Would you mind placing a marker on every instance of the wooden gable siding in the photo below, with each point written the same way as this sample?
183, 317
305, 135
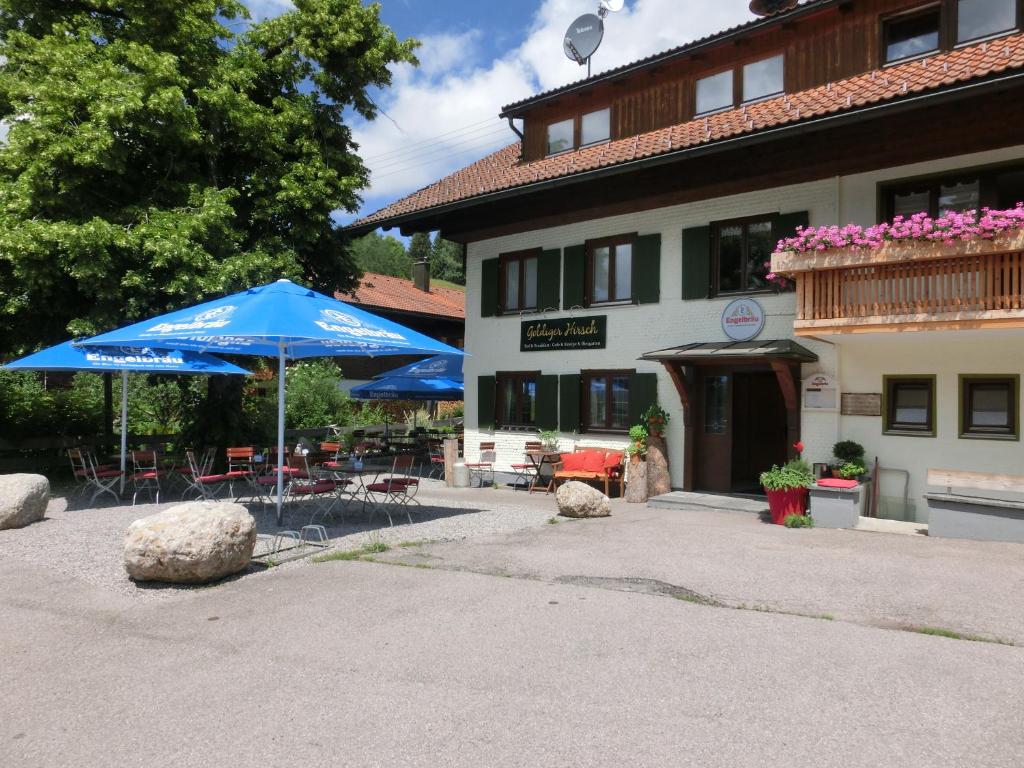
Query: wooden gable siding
839, 42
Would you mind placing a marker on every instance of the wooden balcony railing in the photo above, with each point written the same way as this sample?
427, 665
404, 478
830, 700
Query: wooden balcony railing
920, 287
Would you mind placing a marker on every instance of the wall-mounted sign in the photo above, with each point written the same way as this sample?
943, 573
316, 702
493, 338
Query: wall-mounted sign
820, 393
566, 333
743, 319
862, 404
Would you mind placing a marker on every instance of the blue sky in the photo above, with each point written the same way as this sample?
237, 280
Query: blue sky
479, 55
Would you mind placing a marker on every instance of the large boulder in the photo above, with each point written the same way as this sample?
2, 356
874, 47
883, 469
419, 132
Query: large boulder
576, 499
23, 499
190, 543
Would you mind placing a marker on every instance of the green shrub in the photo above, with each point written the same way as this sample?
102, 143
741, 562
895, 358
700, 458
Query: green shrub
848, 452
794, 474
798, 521
851, 471
313, 398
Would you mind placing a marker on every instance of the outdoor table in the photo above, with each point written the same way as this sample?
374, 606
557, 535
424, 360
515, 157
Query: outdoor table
539, 459
344, 470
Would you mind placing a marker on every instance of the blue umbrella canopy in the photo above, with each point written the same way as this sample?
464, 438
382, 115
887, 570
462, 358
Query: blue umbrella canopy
408, 388
448, 367
68, 357
281, 318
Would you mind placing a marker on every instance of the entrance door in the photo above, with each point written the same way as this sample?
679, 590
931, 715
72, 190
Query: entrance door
741, 429
759, 428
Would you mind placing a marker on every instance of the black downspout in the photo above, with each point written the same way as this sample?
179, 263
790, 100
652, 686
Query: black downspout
517, 132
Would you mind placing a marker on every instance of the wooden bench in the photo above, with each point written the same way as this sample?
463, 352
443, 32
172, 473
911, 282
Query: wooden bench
606, 474
970, 515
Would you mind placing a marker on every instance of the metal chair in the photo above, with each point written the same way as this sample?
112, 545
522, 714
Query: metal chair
316, 490
400, 488
146, 474
436, 452
241, 466
101, 480
526, 472
479, 469
79, 470
202, 482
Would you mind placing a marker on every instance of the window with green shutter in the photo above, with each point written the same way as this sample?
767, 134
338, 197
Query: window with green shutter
547, 402
517, 399
569, 395
490, 285
647, 269
696, 262
643, 393
549, 280
574, 288
485, 390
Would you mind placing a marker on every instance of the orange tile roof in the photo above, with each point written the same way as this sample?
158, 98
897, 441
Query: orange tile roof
503, 170
400, 295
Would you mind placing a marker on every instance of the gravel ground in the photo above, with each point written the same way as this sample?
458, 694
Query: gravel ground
86, 544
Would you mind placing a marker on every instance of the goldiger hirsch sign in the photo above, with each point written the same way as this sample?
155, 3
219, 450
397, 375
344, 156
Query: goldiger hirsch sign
568, 333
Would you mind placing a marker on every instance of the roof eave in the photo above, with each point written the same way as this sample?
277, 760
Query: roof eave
896, 106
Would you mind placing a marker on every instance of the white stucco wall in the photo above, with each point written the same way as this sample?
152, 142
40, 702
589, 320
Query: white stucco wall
493, 343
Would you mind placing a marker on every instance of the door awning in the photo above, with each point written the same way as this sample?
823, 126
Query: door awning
734, 351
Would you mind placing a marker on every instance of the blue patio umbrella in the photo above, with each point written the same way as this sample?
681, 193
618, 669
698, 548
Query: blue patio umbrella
281, 320
69, 357
408, 388
447, 367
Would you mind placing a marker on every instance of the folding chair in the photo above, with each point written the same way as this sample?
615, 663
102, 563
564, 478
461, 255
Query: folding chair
79, 470
479, 469
436, 453
241, 466
526, 471
203, 483
146, 474
316, 490
100, 479
400, 488
333, 450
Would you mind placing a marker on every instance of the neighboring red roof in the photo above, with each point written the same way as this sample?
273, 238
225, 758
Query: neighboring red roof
400, 295
503, 170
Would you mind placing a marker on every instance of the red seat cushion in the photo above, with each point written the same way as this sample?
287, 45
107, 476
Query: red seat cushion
522, 466
385, 487
593, 461
612, 460
836, 482
270, 480
213, 479
403, 480
148, 475
572, 462
108, 472
236, 473
325, 486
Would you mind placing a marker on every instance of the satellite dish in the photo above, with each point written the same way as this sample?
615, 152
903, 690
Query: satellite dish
583, 38
771, 7
610, 6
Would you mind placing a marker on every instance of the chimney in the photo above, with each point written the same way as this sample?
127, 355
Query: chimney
421, 275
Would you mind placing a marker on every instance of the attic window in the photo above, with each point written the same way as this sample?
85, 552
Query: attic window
560, 136
714, 92
976, 19
762, 79
595, 127
908, 36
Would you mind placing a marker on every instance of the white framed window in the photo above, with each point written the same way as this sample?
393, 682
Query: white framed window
976, 19
763, 78
596, 127
560, 136
714, 92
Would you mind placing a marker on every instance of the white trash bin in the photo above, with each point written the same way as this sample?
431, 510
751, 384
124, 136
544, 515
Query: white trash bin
460, 475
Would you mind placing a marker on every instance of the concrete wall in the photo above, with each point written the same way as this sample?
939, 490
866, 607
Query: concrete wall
634, 330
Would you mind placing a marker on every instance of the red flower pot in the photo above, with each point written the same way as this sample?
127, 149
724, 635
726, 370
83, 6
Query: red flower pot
782, 504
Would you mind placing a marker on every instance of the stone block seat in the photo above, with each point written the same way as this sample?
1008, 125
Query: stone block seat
985, 506
600, 465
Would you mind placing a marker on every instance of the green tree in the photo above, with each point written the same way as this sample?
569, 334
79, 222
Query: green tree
384, 255
419, 247
446, 261
155, 158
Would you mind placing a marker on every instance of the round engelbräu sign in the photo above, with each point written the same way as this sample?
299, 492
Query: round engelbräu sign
743, 319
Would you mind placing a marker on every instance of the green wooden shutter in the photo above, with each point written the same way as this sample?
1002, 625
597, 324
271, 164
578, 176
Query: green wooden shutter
489, 288
643, 393
786, 224
569, 392
549, 279
574, 290
647, 269
486, 387
547, 402
696, 262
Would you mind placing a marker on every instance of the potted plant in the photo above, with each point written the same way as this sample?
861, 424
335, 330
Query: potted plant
848, 452
637, 447
851, 471
657, 419
786, 487
549, 439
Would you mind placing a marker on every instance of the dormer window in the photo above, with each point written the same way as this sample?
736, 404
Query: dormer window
762, 79
911, 35
560, 136
977, 19
714, 92
595, 127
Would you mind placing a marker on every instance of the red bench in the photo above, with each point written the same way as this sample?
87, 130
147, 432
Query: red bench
605, 465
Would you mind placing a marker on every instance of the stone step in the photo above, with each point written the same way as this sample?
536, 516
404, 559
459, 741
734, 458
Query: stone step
687, 500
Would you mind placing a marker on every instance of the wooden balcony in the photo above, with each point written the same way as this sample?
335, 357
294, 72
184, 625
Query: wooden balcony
908, 287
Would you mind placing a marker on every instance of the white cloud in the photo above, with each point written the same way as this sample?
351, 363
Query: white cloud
263, 9
445, 114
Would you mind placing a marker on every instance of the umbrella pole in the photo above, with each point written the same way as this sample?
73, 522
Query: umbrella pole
280, 431
124, 424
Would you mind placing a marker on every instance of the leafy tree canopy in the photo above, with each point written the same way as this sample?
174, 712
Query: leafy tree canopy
157, 155
385, 255
446, 261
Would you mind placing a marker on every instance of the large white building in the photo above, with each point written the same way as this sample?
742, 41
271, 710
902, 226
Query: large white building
618, 253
